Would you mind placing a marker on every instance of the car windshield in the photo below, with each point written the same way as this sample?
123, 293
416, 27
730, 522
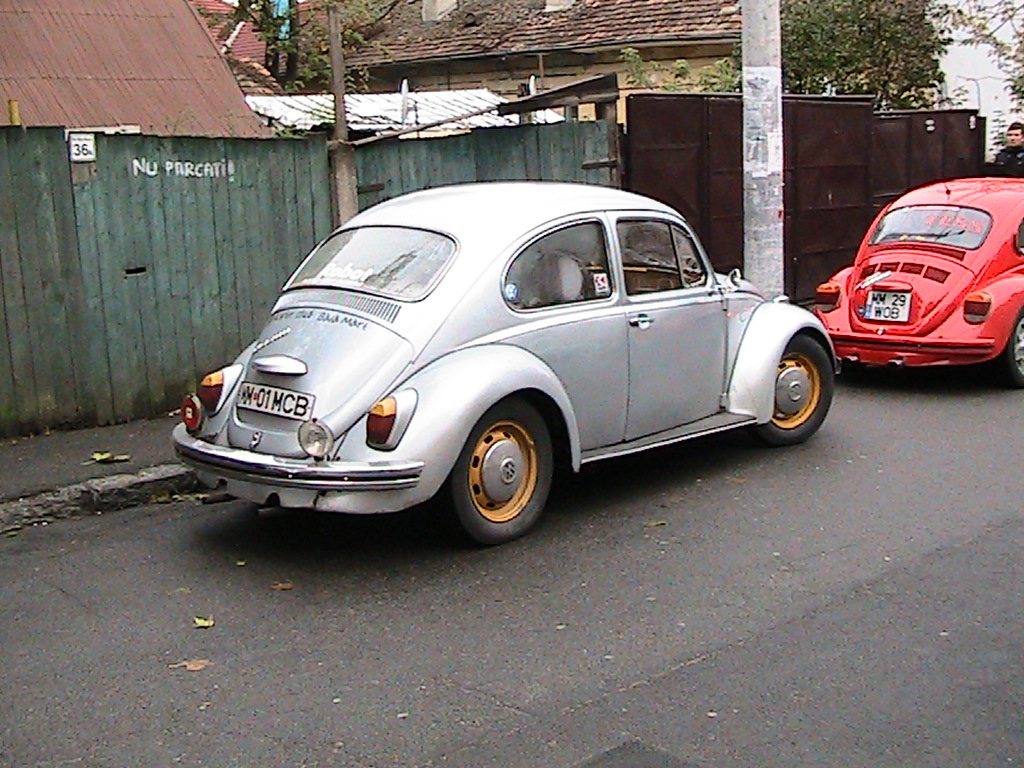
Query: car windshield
947, 224
396, 262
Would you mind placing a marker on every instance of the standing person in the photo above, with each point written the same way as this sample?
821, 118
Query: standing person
1010, 159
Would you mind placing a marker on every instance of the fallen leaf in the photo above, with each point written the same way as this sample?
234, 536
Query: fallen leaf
738, 480
192, 665
181, 591
105, 457
202, 623
283, 586
657, 523
240, 563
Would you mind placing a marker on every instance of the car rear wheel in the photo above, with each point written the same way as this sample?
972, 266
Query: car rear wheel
1013, 355
501, 480
804, 384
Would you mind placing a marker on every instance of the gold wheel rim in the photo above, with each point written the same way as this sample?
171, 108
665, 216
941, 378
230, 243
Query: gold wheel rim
505, 450
797, 365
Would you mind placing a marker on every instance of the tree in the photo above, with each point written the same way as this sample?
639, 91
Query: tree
997, 24
297, 38
887, 48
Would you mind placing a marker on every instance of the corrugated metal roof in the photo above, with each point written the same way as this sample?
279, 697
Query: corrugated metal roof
107, 63
383, 111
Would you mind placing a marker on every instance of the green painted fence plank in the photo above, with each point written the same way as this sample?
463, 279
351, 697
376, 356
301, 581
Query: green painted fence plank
11, 411
95, 357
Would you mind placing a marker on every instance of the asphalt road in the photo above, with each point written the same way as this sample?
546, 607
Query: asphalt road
856, 601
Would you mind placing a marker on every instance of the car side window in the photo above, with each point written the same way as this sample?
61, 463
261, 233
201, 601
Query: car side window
648, 257
562, 267
690, 264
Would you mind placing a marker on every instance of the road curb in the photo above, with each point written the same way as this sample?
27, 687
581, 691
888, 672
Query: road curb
103, 494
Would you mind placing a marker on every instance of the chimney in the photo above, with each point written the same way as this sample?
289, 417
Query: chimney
435, 10
558, 5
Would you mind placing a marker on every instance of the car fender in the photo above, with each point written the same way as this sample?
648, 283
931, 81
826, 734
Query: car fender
752, 379
1007, 299
455, 390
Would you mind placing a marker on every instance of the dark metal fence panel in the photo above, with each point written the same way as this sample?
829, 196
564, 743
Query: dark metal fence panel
686, 150
827, 187
911, 148
564, 152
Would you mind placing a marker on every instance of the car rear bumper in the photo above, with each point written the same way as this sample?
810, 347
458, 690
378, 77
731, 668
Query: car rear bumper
892, 350
219, 462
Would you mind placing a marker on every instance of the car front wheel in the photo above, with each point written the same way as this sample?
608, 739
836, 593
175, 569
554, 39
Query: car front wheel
501, 480
804, 384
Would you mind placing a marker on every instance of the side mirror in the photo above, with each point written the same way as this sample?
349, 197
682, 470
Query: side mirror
1020, 239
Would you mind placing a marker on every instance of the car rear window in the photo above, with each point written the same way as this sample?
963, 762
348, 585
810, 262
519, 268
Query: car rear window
397, 262
947, 224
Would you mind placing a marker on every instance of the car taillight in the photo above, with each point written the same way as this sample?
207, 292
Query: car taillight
826, 297
210, 390
381, 421
977, 305
389, 418
192, 413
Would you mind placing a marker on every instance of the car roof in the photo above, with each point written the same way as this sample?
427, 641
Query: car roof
990, 194
500, 210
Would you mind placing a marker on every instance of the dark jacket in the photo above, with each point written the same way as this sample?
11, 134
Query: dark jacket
1010, 161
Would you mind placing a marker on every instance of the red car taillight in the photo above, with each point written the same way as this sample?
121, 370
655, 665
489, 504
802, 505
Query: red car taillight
388, 420
380, 422
192, 413
826, 297
977, 306
210, 389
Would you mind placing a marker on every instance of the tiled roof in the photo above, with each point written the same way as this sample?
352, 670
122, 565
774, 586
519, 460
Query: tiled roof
105, 63
238, 40
496, 27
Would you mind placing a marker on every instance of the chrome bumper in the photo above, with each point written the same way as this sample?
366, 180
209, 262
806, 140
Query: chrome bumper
238, 464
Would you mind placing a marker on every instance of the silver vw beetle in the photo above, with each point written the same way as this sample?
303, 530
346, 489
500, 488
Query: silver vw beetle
465, 340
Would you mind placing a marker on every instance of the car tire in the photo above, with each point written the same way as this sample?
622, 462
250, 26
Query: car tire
1012, 358
806, 370
501, 479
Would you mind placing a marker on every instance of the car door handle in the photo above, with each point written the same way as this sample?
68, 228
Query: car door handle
641, 321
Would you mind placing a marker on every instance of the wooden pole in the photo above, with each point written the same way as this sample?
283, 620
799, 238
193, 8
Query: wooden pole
341, 153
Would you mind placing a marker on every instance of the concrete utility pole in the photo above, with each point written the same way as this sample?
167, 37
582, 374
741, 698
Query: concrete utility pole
763, 213
345, 201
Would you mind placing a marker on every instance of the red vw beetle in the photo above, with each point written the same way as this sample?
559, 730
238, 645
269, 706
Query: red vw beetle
938, 280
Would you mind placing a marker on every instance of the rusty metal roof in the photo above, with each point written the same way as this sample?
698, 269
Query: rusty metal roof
112, 63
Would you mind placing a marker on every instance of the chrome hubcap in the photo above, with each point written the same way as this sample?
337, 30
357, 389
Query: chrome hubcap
792, 388
500, 472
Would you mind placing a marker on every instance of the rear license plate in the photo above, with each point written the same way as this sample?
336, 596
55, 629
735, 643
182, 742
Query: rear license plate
275, 401
888, 305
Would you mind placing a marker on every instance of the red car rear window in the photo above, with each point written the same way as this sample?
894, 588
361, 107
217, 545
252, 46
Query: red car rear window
947, 224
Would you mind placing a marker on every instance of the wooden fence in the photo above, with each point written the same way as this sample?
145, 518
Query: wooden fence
123, 279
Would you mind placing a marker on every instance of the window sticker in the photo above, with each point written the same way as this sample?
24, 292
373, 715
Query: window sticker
511, 292
602, 286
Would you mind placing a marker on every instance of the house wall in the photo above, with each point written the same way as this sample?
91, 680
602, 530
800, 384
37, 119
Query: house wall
508, 75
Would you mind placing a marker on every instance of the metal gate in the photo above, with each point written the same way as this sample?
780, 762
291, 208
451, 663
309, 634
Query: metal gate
841, 163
